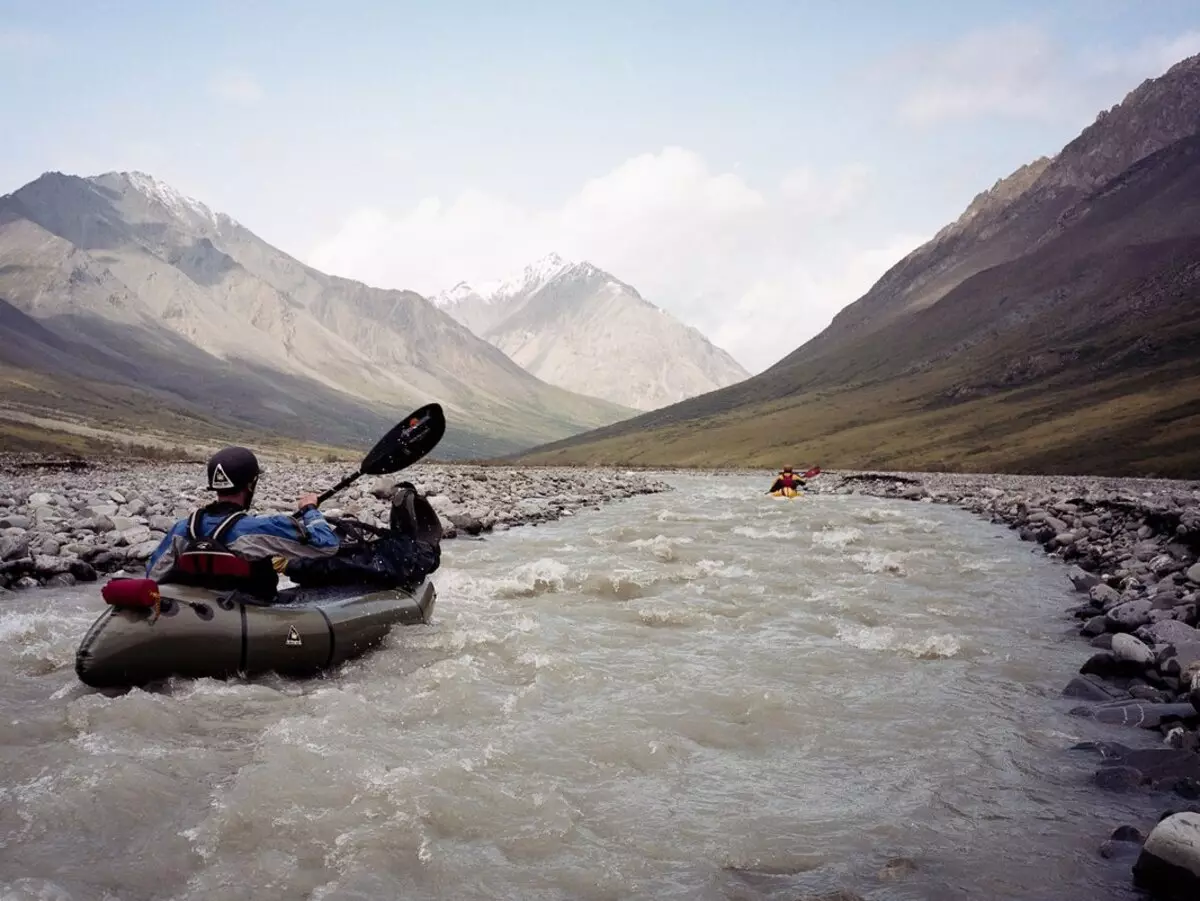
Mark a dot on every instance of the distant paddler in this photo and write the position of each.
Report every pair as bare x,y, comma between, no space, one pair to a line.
788,484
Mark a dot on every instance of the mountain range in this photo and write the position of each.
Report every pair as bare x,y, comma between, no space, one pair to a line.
127,303
578,327
1053,327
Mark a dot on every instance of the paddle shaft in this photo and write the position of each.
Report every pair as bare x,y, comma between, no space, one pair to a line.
344,483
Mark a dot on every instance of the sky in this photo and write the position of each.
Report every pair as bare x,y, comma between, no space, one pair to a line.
750,167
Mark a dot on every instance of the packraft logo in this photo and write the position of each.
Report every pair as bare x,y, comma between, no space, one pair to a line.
219,478
293,637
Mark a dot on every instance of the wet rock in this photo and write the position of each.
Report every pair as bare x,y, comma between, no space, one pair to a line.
1104,595
1081,579
1153,695
1169,632
1178,657
1139,713
1169,864
1127,834
1129,616
467,522
1107,665
1092,688
1114,850
1193,573
1095,626
1130,649
82,571
1118,778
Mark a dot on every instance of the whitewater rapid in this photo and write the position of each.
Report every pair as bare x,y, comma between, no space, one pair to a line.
702,694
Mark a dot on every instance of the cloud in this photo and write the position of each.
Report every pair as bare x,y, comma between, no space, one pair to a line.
753,270
1006,71
236,87
1020,72
830,194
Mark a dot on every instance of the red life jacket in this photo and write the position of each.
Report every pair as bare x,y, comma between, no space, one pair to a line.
788,479
208,562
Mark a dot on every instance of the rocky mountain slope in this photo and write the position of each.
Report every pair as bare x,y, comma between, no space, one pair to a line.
1052,327
186,309
575,326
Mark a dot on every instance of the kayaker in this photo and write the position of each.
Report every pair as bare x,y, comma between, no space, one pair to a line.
222,546
786,479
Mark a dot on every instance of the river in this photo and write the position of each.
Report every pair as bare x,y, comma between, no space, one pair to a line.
701,694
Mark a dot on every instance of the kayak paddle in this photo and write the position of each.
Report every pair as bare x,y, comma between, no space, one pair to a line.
404,445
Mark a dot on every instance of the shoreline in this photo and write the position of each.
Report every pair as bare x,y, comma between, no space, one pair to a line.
62,523
1132,548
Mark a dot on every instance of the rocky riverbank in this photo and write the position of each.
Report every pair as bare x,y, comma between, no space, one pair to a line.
68,523
1132,546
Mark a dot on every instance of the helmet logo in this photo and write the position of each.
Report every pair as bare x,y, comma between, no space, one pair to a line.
219,478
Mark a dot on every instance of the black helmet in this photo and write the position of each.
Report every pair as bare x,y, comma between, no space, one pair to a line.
232,469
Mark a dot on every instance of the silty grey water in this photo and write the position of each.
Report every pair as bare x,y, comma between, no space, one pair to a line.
703,694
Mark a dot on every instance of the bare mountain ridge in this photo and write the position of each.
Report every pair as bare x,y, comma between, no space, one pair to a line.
1022,209
1071,353
579,327
124,251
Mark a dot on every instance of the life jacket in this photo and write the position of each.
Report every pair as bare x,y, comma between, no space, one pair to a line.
788,479
206,561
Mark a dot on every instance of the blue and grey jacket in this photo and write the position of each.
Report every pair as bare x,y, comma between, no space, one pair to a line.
251,537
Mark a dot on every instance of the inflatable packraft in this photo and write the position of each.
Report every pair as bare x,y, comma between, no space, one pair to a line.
151,632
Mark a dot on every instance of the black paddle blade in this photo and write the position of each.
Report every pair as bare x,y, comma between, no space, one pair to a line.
407,442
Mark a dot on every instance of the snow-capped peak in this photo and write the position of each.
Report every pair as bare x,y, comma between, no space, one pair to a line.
534,276
176,202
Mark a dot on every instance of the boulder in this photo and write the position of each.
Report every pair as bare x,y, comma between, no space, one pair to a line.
1092,688
1128,648
1104,594
1179,657
1169,865
1129,616
1082,579
1169,632
1141,714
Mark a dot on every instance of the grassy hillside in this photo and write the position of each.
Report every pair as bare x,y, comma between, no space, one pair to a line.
1139,424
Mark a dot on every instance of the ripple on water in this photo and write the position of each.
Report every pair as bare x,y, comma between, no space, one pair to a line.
889,638
697,695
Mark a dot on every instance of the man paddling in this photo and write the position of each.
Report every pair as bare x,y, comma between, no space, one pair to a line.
221,546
